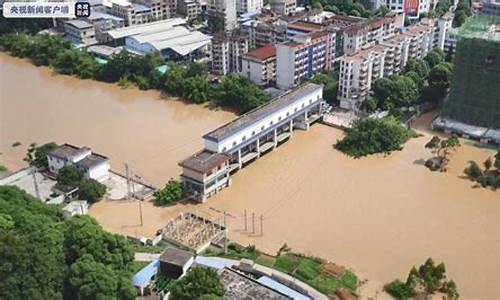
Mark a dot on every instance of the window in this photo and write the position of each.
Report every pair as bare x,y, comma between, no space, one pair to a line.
253,133
244,138
295,109
279,119
262,128
287,113
234,143
271,123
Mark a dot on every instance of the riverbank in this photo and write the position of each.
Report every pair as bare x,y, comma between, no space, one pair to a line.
379,215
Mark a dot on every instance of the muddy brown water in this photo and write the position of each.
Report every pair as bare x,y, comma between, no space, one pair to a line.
378,215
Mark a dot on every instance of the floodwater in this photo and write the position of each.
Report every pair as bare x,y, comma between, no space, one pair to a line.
379,215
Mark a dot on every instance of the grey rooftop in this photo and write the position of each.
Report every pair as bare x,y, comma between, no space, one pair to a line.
261,112
176,257
204,161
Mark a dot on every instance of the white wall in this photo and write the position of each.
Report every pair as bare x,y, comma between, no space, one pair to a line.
252,70
99,172
311,99
285,66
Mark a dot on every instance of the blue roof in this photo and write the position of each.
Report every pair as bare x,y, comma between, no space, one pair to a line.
144,276
273,284
212,262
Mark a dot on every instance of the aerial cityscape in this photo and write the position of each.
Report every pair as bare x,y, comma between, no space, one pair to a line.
250,149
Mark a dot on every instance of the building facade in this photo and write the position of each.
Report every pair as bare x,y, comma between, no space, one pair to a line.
93,165
249,6
259,65
490,8
284,7
132,13
303,57
190,9
359,70
262,33
80,32
368,32
221,15
226,52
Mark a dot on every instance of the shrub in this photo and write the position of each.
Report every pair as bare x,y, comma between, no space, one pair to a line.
69,175
172,192
91,190
370,136
399,289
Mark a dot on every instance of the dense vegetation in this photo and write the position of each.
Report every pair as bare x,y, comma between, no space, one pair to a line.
487,177
369,136
191,82
44,256
427,280
173,191
28,25
347,7
462,12
425,80
88,189
199,283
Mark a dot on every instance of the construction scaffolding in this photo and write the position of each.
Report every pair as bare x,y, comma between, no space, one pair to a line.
475,89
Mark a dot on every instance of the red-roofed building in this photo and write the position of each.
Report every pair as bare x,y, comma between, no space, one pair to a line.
259,65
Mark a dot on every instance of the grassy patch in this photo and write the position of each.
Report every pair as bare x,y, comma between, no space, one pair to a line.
265,260
138,265
163,283
159,248
308,269
287,263
236,251
3,169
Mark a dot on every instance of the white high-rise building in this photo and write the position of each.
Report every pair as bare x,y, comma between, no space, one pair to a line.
221,15
249,6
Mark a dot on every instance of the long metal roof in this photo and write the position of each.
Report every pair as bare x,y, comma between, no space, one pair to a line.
145,28
261,112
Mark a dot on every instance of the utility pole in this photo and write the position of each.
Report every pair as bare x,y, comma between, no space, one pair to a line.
140,210
225,233
253,223
261,225
246,226
128,179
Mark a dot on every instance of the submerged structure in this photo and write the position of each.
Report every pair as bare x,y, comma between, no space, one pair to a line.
475,89
235,144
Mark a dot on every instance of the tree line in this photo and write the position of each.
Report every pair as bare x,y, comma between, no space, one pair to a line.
190,82
489,176
422,80
44,256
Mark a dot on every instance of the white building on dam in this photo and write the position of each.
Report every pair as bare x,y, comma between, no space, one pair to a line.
233,145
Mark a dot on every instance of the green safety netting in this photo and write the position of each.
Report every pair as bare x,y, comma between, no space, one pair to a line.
475,89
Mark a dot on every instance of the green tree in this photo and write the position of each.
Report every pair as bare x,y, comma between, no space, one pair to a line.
172,192
197,283
91,190
473,171
399,289
330,83
418,66
442,148
434,57
440,79
497,162
70,175
37,155
370,136
488,163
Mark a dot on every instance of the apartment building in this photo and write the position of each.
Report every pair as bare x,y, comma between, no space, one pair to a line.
226,53
490,7
249,6
413,8
259,65
368,32
284,7
261,33
304,56
221,15
103,23
160,9
190,9
359,70
132,13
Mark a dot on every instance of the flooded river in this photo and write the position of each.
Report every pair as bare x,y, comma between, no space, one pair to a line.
379,215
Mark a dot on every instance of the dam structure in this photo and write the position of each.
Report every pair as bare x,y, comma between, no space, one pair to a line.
233,145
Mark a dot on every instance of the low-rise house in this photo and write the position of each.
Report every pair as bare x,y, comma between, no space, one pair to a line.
80,32
205,173
259,65
174,262
93,165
